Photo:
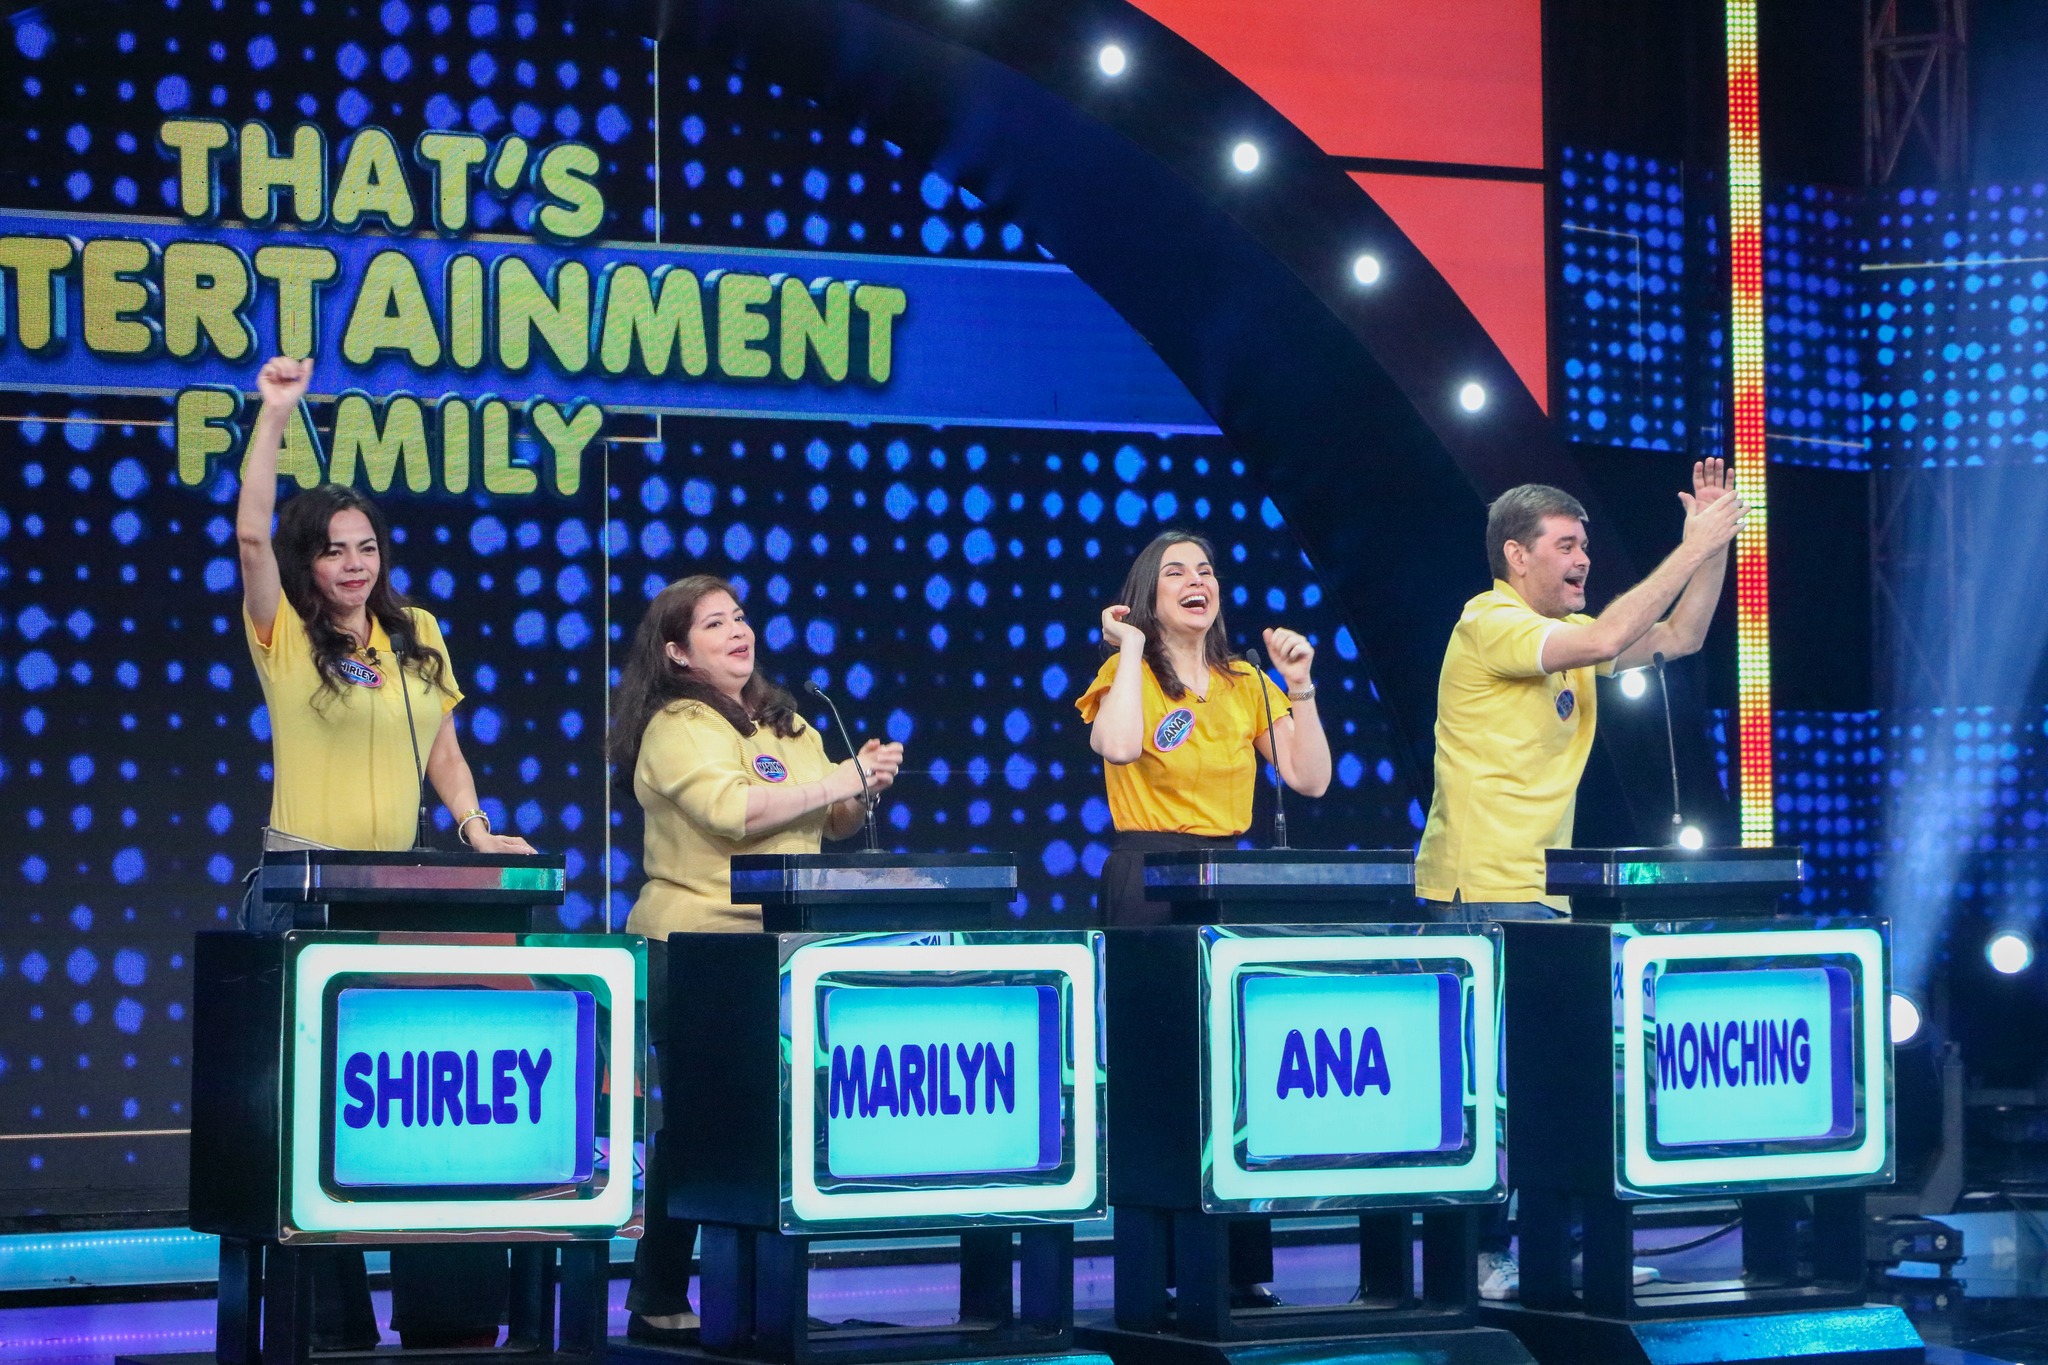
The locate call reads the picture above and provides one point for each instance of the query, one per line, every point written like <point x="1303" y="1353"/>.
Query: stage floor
<point x="2009" y="1324"/>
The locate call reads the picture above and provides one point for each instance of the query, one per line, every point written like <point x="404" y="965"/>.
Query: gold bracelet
<point x="463" y="824"/>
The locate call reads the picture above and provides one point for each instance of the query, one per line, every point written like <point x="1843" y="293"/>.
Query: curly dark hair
<point x="651" y="681"/>
<point x="301" y="537"/>
<point x="1141" y="594"/>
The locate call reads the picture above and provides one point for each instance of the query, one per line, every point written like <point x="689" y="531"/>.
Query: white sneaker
<point x="1645" y="1274"/>
<point x="1500" y="1276"/>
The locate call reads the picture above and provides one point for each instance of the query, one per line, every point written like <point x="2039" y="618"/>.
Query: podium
<point x="1683" y="1038"/>
<point x="881" y="1062"/>
<point x="418" y="889"/>
<point x="363" y="1084"/>
<point x="1294" y="1042"/>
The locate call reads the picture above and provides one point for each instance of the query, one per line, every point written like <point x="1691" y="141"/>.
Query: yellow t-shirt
<point x="342" y="769"/>
<point x="1198" y="769"/>
<point x="692" y="779"/>
<point x="1511" y="743"/>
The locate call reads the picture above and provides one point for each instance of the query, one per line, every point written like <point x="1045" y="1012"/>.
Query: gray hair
<point x="1518" y="515"/>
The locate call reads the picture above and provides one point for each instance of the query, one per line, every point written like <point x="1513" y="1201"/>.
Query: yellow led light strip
<point x="1746" y="370"/>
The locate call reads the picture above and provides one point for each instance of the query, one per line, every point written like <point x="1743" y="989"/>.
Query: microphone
<point x="1279" y="788"/>
<point x="1670" y="746"/>
<point x="401" y="649"/>
<point x="846" y="737"/>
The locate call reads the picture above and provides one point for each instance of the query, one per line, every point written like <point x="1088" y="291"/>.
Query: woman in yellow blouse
<point x="721" y="763"/>
<point x="347" y="665"/>
<point x="1181" y="726"/>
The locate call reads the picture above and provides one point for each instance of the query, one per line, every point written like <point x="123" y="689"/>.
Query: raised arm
<point x="282" y="383"/>
<point x="1297" y="744"/>
<point x="1118" y="733"/>
<point x="1708" y="530"/>
<point x="1685" y="629"/>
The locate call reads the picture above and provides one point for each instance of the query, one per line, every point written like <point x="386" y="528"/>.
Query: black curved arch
<point x="1343" y="397"/>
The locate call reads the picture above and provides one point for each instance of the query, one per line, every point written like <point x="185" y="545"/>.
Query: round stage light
<point x="2009" y="951"/>
<point x="1905" y="1019"/>
<point x="1472" y="396"/>
<point x="1111" y="59"/>
<point x="1634" y="684"/>
<point x="1245" y="156"/>
<point x="1366" y="269"/>
<point x="1691" y="838"/>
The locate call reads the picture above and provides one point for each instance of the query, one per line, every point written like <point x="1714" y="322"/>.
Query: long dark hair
<point x="1141" y="594"/>
<point x="301" y="538"/>
<point x="651" y="681"/>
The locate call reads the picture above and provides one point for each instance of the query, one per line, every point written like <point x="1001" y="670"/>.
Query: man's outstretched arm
<point x="1685" y="629"/>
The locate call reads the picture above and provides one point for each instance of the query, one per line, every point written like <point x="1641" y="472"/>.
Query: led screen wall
<point x="934" y="546"/>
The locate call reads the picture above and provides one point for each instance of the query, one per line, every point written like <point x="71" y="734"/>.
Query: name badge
<point x="361" y="674"/>
<point x="1174" y="729"/>
<point x="770" y="769"/>
<point x="1565" y="702"/>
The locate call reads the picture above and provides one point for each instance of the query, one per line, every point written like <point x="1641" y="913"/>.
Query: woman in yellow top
<point x="341" y="654"/>
<point x="721" y="763"/>
<point x="1180" y="723"/>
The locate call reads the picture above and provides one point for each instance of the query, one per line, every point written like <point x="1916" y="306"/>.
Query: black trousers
<point x="1124" y="905"/>
<point x="661" y="1263"/>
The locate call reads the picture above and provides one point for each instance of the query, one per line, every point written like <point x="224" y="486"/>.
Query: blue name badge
<point x="941" y="1080"/>
<point x="440" y="1087"/>
<point x="1348" y="1065"/>
<point x="1754" y="1056"/>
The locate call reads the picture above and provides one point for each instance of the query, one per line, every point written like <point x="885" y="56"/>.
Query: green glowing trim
<point x="1229" y="1181"/>
<point x="314" y="1210"/>
<point x="809" y="1204"/>
<point x="1645" y="1173"/>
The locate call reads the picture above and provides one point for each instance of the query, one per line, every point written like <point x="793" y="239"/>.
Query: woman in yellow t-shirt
<point x="721" y="763"/>
<point x="1180" y="724"/>
<point x="347" y="665"/>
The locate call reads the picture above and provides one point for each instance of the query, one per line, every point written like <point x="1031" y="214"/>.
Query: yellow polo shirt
<point x="1198" y="769"/>
<point x="1511" y="744"/>
<point x="692" y="780"/>
<point x="342" y="768"/>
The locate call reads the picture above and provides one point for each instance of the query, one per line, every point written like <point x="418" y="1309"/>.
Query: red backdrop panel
<point x="1486" y="238"/>
<point x="1419" y="80"/>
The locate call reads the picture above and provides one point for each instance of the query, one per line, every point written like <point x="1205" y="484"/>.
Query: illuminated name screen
<point x="1752" y="1056"/>
<point x="439" y="1082"/>
<point x="954" y="1079"/>
<point x="1350" y="1065"/>
<point x="463" y="1087"/>
<point x="939" y="1080"/>
<point x="1751" y="1060"/>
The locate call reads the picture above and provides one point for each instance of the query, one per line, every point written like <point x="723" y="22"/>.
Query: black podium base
<point x="1875" y="1334"/>
<point x="629" y="1352"/>
<point x="1455" y="1346"/>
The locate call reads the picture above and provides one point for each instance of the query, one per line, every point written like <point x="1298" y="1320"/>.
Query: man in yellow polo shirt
<point x="1516" y="708"/>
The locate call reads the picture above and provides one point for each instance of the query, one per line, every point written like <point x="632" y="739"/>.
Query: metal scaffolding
<point x="1916" y="86"/>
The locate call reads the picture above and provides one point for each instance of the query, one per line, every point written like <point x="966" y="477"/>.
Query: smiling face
<point x="1550" y="571"/>
<point x="720" y="645"/>
<point x="346" y="570"/>
<point x="1188" y="598"/>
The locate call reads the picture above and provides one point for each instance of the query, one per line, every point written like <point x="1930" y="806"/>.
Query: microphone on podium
<point x="1670" y="750"/>
<point x="1273" y="741"/>
<point x="846" y="737"/>
<point x="401" y="650"/>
